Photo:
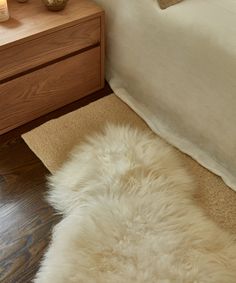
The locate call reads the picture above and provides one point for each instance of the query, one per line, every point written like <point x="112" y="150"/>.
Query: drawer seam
<point x="51" y="62"/>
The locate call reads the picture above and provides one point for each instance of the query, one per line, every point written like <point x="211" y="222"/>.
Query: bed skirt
<point x="176" y="68"/>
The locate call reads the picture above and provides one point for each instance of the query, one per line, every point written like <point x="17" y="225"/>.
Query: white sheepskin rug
<point x="129" y="215"/>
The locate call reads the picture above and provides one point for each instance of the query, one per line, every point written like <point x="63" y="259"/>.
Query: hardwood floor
<point x="26" y="220"/>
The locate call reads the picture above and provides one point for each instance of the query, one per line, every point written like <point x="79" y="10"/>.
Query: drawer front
<point x="37" y="93"/>
<point x="22" y="57"/>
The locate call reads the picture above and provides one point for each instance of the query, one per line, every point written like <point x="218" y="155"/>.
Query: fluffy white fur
<point x="130" y="216"/>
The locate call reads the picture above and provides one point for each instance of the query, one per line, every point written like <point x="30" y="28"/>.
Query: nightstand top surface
<point x="32" y="19"/>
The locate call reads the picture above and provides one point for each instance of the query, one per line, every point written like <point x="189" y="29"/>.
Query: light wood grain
<point x="31" y="20"/>
<point x="41" y="50"/>
<point x="49" y="88"/>
<point x="48" y="59"/>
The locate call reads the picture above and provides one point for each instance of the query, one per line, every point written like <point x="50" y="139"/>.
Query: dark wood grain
<point x="26" y="220"/>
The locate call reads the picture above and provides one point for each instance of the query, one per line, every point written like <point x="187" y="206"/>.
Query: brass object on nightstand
<point x="55" y="5"/>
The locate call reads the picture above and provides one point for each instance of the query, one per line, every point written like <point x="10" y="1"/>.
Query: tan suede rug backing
<point x="53" y="141"/>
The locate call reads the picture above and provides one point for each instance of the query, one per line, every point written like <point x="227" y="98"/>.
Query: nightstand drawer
<point x="37" y="93"/>
<point x="23" y="57"/>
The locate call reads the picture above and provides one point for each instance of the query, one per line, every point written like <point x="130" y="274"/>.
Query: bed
<point x="177" y="69"/>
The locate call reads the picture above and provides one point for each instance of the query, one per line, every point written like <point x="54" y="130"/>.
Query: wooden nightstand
<point x="48" y="59"/>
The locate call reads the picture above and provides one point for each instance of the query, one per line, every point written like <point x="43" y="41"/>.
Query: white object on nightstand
<point x="4" y="14"/>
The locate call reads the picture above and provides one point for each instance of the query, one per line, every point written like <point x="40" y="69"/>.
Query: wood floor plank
<point x="26" y="220"/>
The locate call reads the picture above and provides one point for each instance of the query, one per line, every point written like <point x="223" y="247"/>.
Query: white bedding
<point x="177" y="69"/>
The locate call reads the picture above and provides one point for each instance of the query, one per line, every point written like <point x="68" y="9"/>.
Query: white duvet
<point x="177" y="69"/>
